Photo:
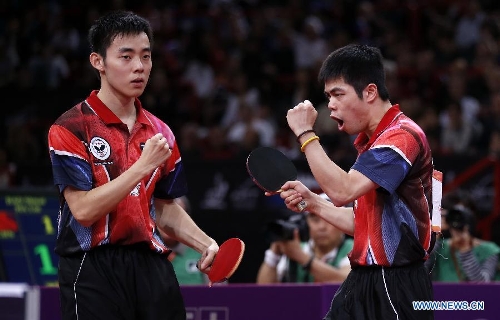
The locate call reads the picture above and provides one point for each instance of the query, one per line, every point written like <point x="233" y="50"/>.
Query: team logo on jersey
<point x="100" y="148"/>
<point x="135" y="191"/>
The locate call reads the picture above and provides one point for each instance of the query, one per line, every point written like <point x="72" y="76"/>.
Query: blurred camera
<point x="282" y="229"/>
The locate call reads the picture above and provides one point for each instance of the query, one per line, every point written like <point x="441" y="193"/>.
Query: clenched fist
<point x="155" y="152"/>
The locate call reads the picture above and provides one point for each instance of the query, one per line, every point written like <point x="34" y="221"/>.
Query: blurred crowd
<point x="225" y="72"/>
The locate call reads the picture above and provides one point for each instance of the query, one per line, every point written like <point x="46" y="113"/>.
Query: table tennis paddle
<point x="227" y="260"/>
<point x="270" y="169"/>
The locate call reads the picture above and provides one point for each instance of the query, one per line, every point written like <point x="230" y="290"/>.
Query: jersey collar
<point x="362" y="142"/>
<point x="107" y="115"/>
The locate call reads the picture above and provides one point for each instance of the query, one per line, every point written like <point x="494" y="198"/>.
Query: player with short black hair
<point x="390" y="184"/>
<point x="118" y="170"/>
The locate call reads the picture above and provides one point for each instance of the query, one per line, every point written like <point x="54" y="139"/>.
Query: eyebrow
<point x="332" y="90"/>
<point x="127" y="49"/>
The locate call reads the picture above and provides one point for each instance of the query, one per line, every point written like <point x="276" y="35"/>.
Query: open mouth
<point x="339" y="121"/>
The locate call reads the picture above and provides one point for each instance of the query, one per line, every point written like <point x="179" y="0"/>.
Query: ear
<point x="370" y="93"/>
<point x="97" y="61"/>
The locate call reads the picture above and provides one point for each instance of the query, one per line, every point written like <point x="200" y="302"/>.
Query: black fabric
<point x="119" y="282"/>
<point x="67" y="242"/>
<point x="363" y="294"/>
<point x="409" y="248"/>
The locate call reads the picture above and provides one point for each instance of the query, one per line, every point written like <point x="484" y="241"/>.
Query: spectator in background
<point x="462" y="257"/>
<point x="240" y="95"/>
<point x="429" y="122"/>
<point x="456" y="88"/>
<point x="468" y="27"/>
<point x="249" y="120"/>
<point x="310" y="47"/>
<point x="48" y="66"/>
<point x="219" y="39"/>
<point x="198" y="73"/>
<point x="303" y="85"/>
<point x="457" y="135"/>
<point x="214" y="145"/>
<point x="323" y="258"/>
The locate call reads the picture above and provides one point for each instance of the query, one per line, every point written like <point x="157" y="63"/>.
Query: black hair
<point x="458" y="217"/>
<point x="113" y="24"/>
<point x="358" y="65"/>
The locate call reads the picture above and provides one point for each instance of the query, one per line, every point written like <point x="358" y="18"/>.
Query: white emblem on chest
<point x="100" y="148"/>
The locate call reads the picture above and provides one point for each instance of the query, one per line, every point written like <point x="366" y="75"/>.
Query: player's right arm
<point x="341" y="187"/>
<point x="88" y="206"/>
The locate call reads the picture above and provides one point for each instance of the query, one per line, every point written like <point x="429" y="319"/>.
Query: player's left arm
<point x="175" y="222"/>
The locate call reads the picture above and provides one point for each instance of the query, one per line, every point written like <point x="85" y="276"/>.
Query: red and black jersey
<point x="393" y="222"/>
<point x="90" y="146"/>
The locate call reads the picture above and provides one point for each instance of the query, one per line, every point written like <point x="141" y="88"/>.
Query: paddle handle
<point x="302" y="205"/>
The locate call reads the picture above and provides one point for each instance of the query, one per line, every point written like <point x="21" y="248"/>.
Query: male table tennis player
<point x="390" y="184"/>
<point x="118" y="170"/>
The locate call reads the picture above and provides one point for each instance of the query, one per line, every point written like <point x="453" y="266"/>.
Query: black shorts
<point x="119" y="282"/>
<point x="370" y="293"/>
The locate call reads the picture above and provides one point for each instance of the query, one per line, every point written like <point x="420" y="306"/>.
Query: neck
<point x="377" y="115"/>
<point x="122" y="107"/>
